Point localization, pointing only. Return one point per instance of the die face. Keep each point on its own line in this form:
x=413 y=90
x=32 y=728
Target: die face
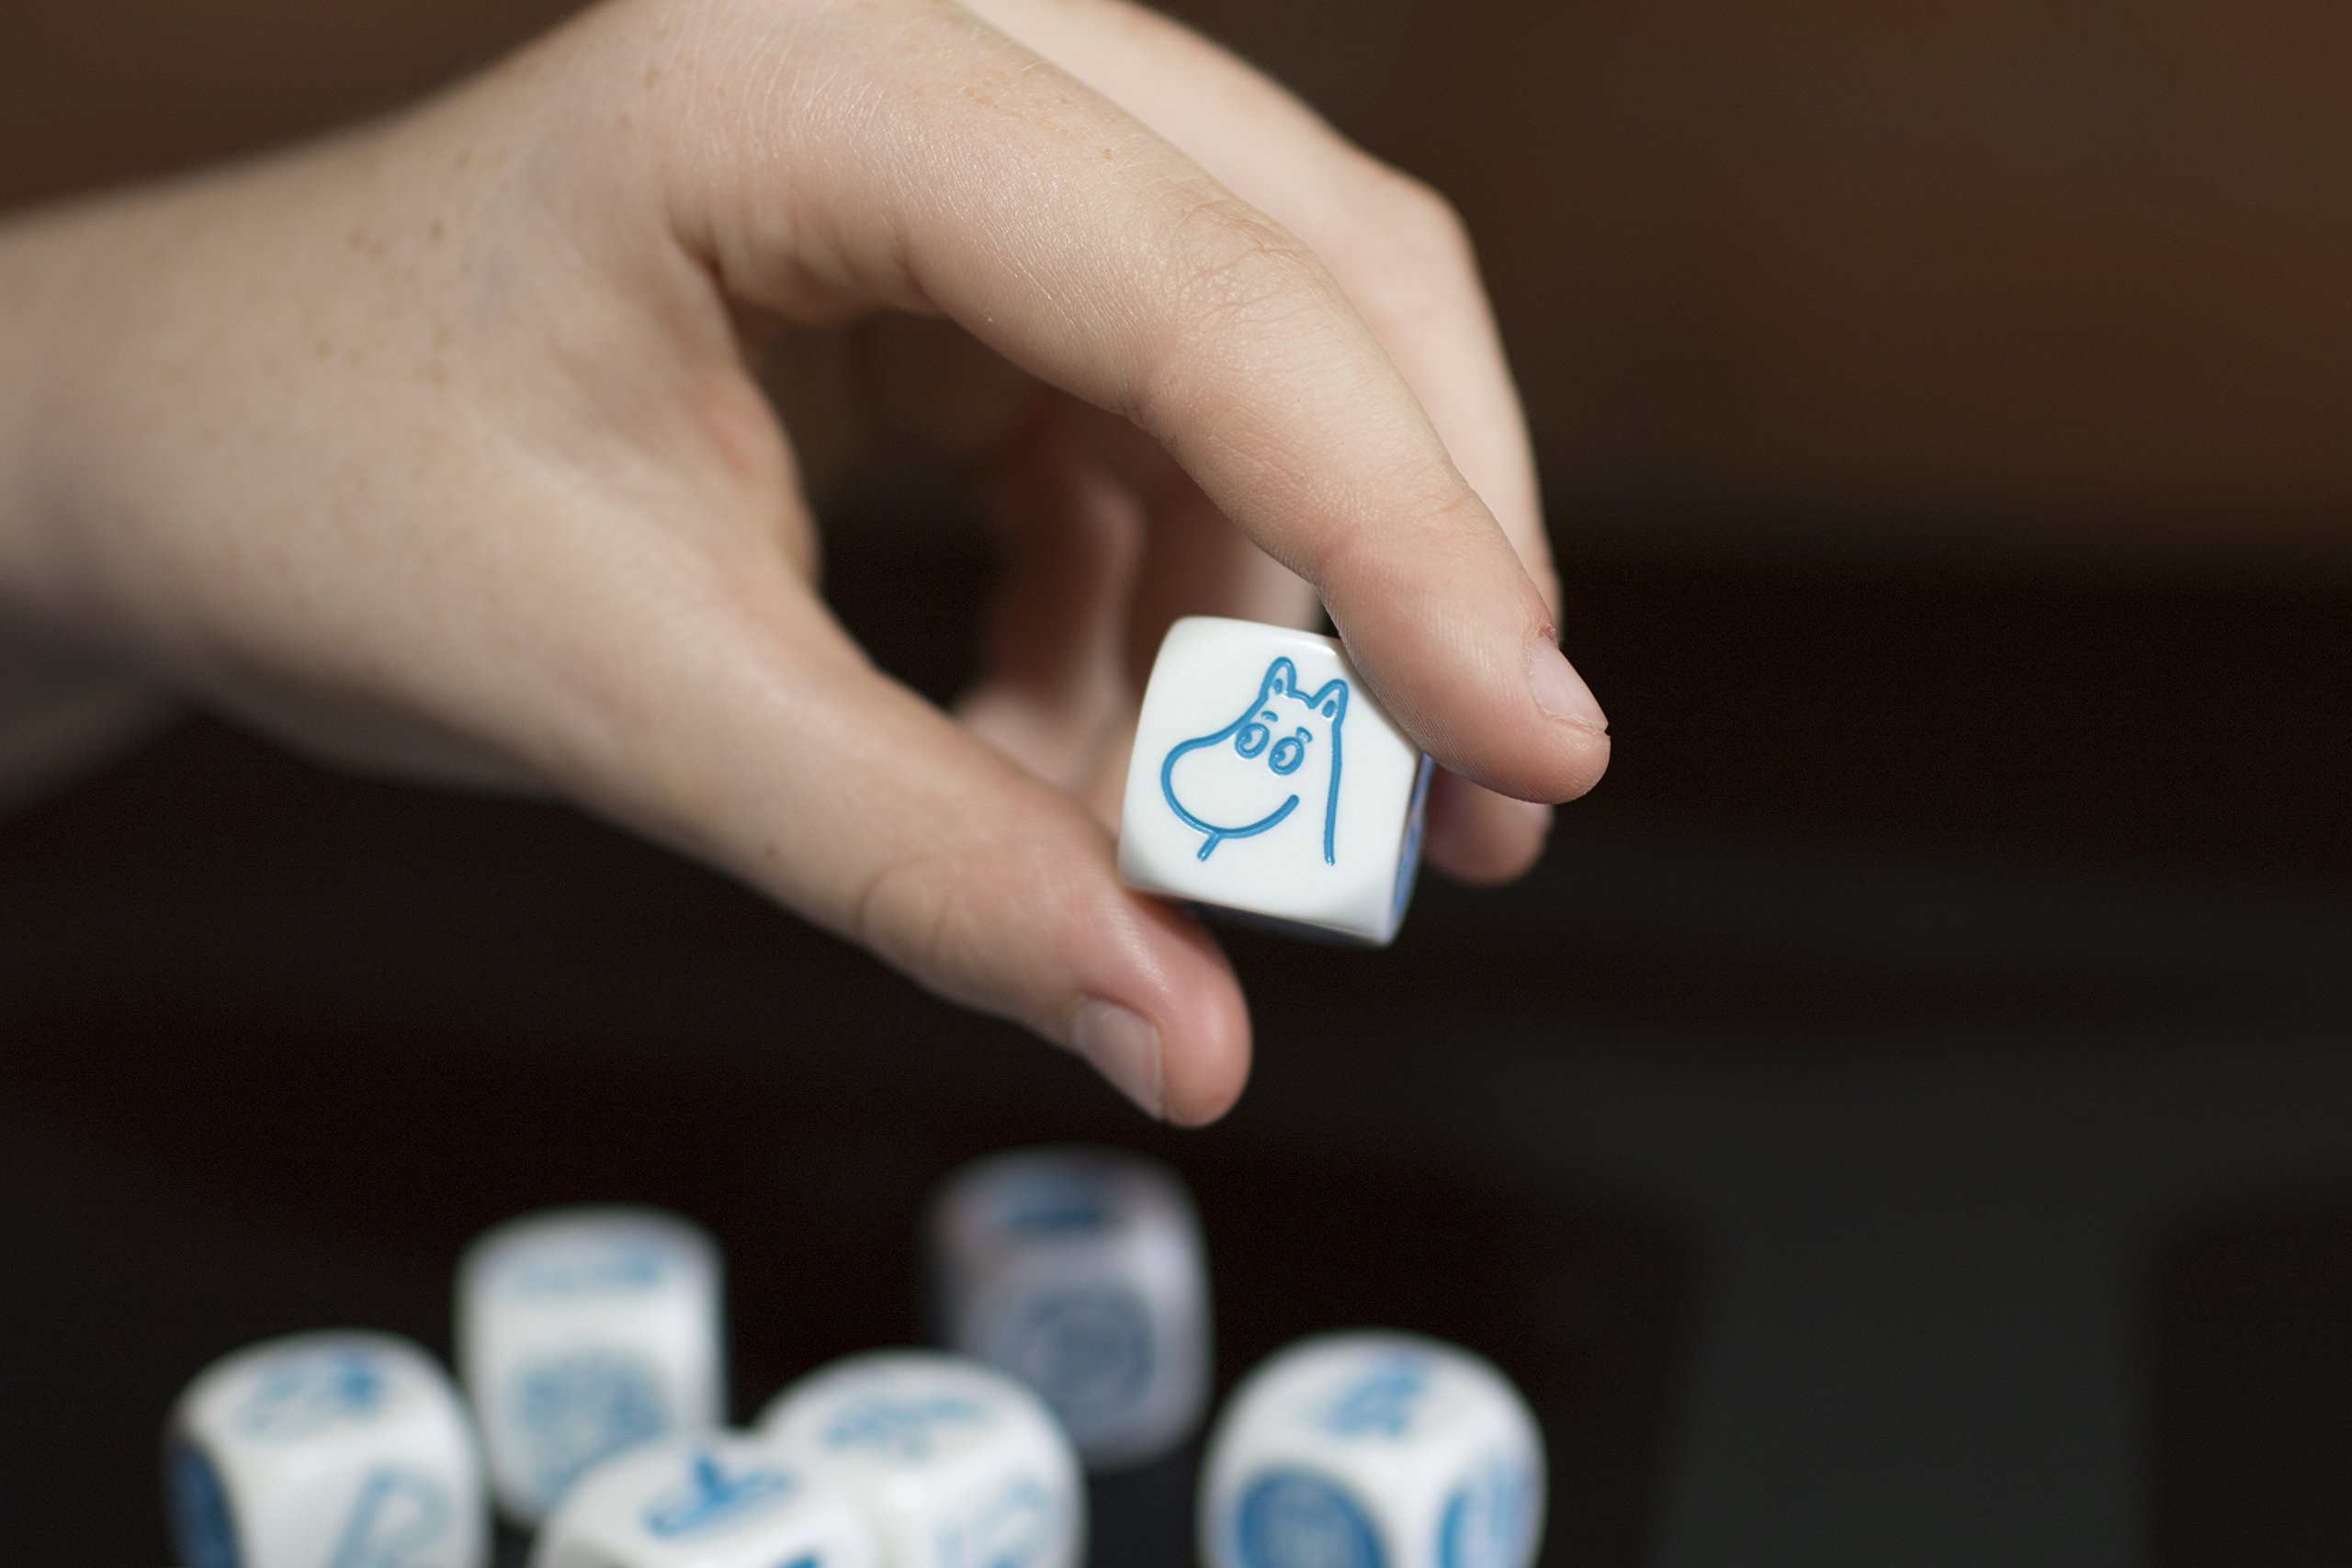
x=1080 y=1273
x=583 y=1333
x=1119 y=1353
x=711 y=1501
x=1295 y=1516
x=956 y=1465
x=1266 y=780
x=1416 y=1453
x=325 y=1451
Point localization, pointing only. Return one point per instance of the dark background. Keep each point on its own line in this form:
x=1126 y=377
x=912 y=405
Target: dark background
x=1903 y=1120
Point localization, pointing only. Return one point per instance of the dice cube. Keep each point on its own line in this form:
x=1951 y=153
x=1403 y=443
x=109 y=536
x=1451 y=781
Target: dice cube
x=325 y=1451
x=716 y=1500
x=956 y=1465
x=1081 y=1274
x=1266 y=781
x=582 y=1333
x=1374 y=1450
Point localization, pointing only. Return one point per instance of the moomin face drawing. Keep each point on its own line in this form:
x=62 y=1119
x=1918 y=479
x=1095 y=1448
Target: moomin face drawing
x=1257 y=773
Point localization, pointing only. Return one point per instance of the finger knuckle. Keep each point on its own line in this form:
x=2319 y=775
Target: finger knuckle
x=1235 y=261
x=915 y=911
x=1239 y=283
x=1422 y=218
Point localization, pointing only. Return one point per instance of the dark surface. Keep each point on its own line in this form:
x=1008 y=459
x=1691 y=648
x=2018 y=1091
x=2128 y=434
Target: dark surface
x=2252 y=1464
x=278 y=1041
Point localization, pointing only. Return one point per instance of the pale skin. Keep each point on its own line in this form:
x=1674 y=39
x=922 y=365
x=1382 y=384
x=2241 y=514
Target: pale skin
x=435 y=448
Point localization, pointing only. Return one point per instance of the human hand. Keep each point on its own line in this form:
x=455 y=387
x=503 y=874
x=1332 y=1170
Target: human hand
x=436 y=446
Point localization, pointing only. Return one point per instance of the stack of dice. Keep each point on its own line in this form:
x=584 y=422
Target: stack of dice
x=1069 y=1287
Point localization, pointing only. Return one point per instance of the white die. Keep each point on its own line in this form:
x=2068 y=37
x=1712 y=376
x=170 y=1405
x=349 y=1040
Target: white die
x=956 y=1465
x=1080 y=1272
x=582 y=1333
x=325 y=1451
x=713 y=1500
x=1374 y=1450
x=1265 y=779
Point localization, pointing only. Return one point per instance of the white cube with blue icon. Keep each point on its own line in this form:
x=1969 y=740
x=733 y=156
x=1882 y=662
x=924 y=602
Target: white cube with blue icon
x=1081 y=1272
x=325 y=1451
x=955 y=1465
x=582 y=1333
x=716 y=1500
x=1374 y=1450
x=1267 y=780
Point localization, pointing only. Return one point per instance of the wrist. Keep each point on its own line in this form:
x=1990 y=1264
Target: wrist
x=65 y=700
x=39 y=306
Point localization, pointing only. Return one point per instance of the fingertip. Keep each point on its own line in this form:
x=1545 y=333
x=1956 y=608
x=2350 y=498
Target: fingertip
x=1206 y=1033
x=1161 y=1016
x=1583 y=759
x=1476 y=836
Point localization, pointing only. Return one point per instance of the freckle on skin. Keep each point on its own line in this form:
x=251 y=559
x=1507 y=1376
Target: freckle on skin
x=435 y=231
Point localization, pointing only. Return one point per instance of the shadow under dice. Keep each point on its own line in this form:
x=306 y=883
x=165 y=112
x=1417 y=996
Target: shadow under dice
x=1267 y=780
x=325 y=1451
x=1374 y=1450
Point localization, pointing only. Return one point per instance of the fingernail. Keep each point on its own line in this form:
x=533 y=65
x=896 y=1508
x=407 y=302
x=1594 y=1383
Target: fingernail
x=1123 y=1045
x=1560 y=691
x=1538 y=814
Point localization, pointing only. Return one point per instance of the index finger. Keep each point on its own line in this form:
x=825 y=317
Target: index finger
x=983 y=183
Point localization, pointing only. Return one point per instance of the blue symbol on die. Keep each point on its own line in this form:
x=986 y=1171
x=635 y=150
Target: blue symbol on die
x=300 y=1394
x=1056 y=1204
x=901 y=1428
x=1487 y=1519
x=202 y=1525
x=712 y=1499
x=598 y=1269
x=395 y=1518
x=1295 y=1519
x=1382 y=1402
x=577 y=1410
x=1252 y=776
x=1015 y=1529
x=1087 y=1349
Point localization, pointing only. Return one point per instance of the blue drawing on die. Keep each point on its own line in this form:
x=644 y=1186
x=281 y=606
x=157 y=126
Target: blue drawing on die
x=395 y=1518
x=1295 y=1519
x=711 y=1499
x=574 y=1410
x=900 y=1427
x=1253 y=772
x=1382 y=1401
x=1487 y=1521
x=305 y=1391
x=1016 y=1529
x=595 y=1268
x=1043 y=1204
x=1087 y=1349
x=202 y=1526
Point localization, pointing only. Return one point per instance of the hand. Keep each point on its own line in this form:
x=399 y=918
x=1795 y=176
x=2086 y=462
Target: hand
x=436 y=446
